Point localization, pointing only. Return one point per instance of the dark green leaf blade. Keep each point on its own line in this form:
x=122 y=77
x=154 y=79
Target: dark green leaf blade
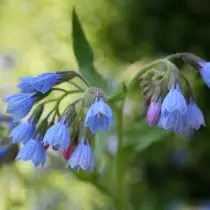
x=84 y=54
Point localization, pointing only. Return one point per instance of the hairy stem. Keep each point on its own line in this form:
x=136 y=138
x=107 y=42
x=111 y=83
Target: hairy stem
x=75 y=85
x=142 y=70
x=62 y=97
x=175 y=55
x=83 y=79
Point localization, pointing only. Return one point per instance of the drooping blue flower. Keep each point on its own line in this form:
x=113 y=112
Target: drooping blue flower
x=33 y=150
x=41 y=83
x=23 y=132
x=176 y=122
x=19 y=105
x=174 y=101
x=3 y=150
x=205 y=72
x=58 y=135
x=194 y=115
x=99 y=116
x=82 y=157
x=174 y=113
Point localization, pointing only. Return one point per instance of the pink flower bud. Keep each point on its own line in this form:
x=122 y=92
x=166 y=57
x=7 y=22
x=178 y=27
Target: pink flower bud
x=153 y=112
x=67 y=153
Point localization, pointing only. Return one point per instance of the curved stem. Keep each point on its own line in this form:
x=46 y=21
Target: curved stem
x=143 y=69
x=49 y=114
x=83 y=79
x=182 y=75
x=175 y=55
x=62 y=97
x=75 y=85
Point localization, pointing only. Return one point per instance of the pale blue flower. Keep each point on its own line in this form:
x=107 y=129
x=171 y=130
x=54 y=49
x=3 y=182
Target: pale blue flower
x=41 y=83
x=33 y=150
x=174 y=101
x=58 y=135
x=174 y=113
x=23 y=132
x=205 y=72
x=19 y=105
x=99 y=116
x=194 y=115
x=176 y=122
x=82 y=157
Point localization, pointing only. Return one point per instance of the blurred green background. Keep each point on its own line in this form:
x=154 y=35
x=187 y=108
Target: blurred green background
x=162 y=170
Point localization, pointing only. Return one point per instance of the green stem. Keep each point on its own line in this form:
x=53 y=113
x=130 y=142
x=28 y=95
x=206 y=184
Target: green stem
x=175 y=55
x=83 y=79
x=121 y=202
x=142 y=70
x=75 y=85
x=62 y=97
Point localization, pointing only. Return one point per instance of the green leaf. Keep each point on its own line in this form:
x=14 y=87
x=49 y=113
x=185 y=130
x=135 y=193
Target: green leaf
x=141 y=136
x=84 y=54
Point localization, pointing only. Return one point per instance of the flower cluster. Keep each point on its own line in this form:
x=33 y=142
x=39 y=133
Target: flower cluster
x=33 y=89
x=176 y=113
x=69 y=132
x=177 y=110
x=172 y=108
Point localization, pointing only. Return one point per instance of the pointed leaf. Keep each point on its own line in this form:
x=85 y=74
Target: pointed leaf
x=84 y=54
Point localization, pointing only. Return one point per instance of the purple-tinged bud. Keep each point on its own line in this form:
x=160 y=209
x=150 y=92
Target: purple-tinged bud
x=153 y=112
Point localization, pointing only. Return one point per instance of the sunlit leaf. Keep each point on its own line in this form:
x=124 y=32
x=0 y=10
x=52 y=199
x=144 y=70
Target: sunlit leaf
x=84 y=54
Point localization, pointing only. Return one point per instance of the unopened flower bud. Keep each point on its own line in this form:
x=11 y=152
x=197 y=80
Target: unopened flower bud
x=153 y=112
x=67 y=153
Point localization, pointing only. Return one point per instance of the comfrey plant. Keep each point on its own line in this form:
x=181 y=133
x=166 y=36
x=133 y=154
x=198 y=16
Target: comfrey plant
x=73 y=127
x=170 y=96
